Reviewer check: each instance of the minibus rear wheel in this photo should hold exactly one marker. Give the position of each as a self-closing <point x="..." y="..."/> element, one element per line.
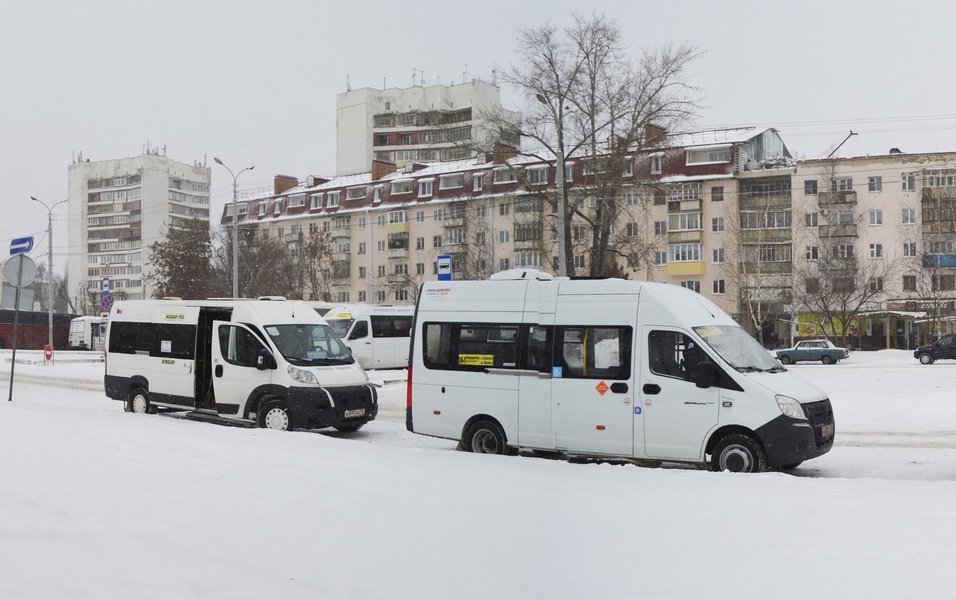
<point x="738" y="453"/>
<point x="139" y="402"/>
<point x="485" y="437"/>
<point x="274" y="414"/>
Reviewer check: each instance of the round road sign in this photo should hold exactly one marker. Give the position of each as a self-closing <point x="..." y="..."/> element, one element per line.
<point x="48" y="352"/>
<point x="106" y="303"/>
<point x="19" y="270"/>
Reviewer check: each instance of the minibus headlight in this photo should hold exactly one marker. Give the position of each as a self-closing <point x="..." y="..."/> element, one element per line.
<point x="790" y="407"/>
<point x="302" y="376"/>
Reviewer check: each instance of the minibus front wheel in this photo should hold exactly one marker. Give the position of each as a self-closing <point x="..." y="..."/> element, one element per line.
<point x="739" y="453"/>
<point x="485" y="437"/>
<point x="274" y="414"/>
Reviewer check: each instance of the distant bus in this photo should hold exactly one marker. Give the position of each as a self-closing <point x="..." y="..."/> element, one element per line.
<point x="87" y="333"/>
<point x="377" y="336"/>
<point x="33" y="332"/>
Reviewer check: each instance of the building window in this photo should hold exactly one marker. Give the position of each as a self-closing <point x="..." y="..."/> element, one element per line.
<point x="505" y="175"/>
<point x="683" y="252"/>
<point x="683" y="222"/>
<point x="710" y="155"/>
<point x="631" y="198"/>
<point x="401" y="295"/>
<point x="876" y="284"/>
<point x="503" y="264"/>
<point x="420" y="243"/>
<point x="380" y="246"/>
<point x="579" y="261"/>
<point x="657" y="164"/>
<point x="404" y="186"/>
<point x="277" y="208"/>
<point x="844" y="184"/>
<point x="342" y="297"/>
<point x="717" y="193"/>
<point x="876" y="250"/>
<point x="315" y="202"/>
<point x="660" y="227"/>
<point x="436" y="241"/>
<point x="537" y="175"/>
<point x="812" y="220"/>
<point x="843" y="251"/>
<point x="718" y="255"/>
<point x="377" y="194"/>
<point x="447" y="182"/>
<point x="812" y="252"/>
<point x="875" y="184"/>
<point x="909" y="216"/>
<point x="660" y="197"/>
<point x="719" y="286"/>
<point x="909" y="283"/>
<point x="397" y="216"/>
<point x="876" y="217"/>
<point x="333" y="199"/>
<point x="362" y="273"/>
<point x="632" y="230"/>
<point x="909" y="250"/>
<point x="419" y="268"/>
<point x="478" y="182"/>
<point x="909" y="182"/>
<point x="810" y="187"/>
<point x="503" y="237"/>
<point x="717" y="224"/>
<point x="425" y="187"/>
<point x="660" y="257"/>
<point x="693" y="285"/>
<point x="361" y="248"/>
<point x="944" y="283"/>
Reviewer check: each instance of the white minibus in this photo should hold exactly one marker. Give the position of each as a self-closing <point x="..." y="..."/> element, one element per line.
<point x="378" y="336"/>
<point x="87" y="333"/>
<point x="608" y="368"/>
<point x="275" y="364"/>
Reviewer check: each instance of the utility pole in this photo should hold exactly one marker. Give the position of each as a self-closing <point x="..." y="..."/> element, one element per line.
<point x="49" y="260"/>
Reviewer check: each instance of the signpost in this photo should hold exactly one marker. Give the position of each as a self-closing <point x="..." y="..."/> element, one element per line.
<point x="18" y="272"/>
<point x="444" y="267"/>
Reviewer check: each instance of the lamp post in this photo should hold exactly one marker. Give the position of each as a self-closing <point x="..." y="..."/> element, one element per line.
<point x="559" y="182"/>
<point x="235" y="225"/>
<point x="49" y="259"/>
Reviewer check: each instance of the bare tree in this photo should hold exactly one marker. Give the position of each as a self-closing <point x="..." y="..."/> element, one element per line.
<point x="588" y="101"/>
<point x="316" y="259"/>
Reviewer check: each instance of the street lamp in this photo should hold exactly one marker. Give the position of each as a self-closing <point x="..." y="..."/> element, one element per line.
<point x="558" y="113"/>
<point x="49" y="259"/>
<point x="235" y="226"/>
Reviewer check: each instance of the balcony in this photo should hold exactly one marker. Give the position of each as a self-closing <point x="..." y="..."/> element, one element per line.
<point x="342" y="232"/>
<point x="832" y="198"/>
<point x="397" y="278"/>
<point x="837" y="231"/>
<point x="397" y="253"/>
<point x="766" y="235"/>
<point x="677" y="237"/>
<point x="837" y="264"/>
<point x="763" y="202"/>
<point x="766" y="268"/>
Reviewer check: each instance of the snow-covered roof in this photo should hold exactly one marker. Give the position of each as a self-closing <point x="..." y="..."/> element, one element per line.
<point x="715" y="137"/>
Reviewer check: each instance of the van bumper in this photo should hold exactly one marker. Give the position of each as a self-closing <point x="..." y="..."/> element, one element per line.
<point x="311" y="408"/>
<point x="788" y="441"/>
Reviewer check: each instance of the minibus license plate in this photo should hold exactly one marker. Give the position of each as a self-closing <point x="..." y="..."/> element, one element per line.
<point x="827" y="430"/>
<point x="360" y="412"/>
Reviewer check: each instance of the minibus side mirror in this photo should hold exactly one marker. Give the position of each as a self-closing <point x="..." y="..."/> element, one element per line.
<point x="706" y="375"/>
<point x="265" y="360"/>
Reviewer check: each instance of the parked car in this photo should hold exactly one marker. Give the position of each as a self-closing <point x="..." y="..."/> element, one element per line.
<point x="812" y="350"/>
<point x="945" y="347"/>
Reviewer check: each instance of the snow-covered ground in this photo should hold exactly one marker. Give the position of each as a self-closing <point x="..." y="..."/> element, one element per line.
<point x="98" y="503"/>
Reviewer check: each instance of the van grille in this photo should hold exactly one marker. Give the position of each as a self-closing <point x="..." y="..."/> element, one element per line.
<point x="819" y="414"/>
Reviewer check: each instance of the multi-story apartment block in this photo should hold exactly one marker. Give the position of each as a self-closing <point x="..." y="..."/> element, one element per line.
<point x="117" y="208"/>
<point x="677" y="219"/>
<point x="880" y="232"/>
<point x="417" y="124"/>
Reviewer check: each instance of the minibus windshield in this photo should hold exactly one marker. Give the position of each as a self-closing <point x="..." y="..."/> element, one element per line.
<point x="340" y="326"/>
<point x="738" y="348"/>
<point x="309" y="344"/>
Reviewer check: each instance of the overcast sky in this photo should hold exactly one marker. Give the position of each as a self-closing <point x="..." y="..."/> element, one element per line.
<point x="256" y="82"/>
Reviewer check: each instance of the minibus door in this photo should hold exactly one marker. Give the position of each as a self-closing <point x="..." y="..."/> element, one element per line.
<point x="593" y="377"/>
<point x="678" y="415"/>
<point x="360" y="343"/>
<point x="235" y="355"/>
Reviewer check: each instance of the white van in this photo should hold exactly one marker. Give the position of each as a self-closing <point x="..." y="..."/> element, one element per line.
<point x="378" y="336"/>
<point x="276" y="364"/>
<point x="320" y="307"/>
<point x="87" y="333"/>
<point x="647" y="371"/>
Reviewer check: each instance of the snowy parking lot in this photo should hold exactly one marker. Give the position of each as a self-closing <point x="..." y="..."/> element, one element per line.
<point x="99" y="503"/>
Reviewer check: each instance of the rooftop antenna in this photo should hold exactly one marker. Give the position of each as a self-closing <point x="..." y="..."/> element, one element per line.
<point x="348" y="83"/>
<point x="852" y="133"/>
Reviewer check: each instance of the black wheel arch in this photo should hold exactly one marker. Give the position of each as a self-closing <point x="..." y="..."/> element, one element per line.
<point x="475" y="419"/>
<point x="726" y="430"/>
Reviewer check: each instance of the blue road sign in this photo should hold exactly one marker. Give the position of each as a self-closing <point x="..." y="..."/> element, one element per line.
<point x="444" y="267"/>
<point x="21" y="245"/>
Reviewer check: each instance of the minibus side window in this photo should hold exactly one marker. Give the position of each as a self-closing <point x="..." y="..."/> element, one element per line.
<point x="174" y="341"/>
<point x="538" y="344"/>
<point x="391" y="326"/>
<point x="131" y="338"/>
<point x="238" y="346"/>
<point x="359" y="331"/>
<point x="470" y="347"/>
<point x="594" y="352"/>
<point x="673" y="354"/>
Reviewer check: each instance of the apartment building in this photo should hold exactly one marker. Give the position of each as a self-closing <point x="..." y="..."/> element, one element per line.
<point x="882" y="230"/>
<point x="117" y="208"/>
<point x="416" y="124"/>
<point x="676" y="220"/>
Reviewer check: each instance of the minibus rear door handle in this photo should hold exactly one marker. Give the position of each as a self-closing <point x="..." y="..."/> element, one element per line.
<point x="651" y="388"/>
<point x="218" y="370"/>
<point x="619" y="387"/>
